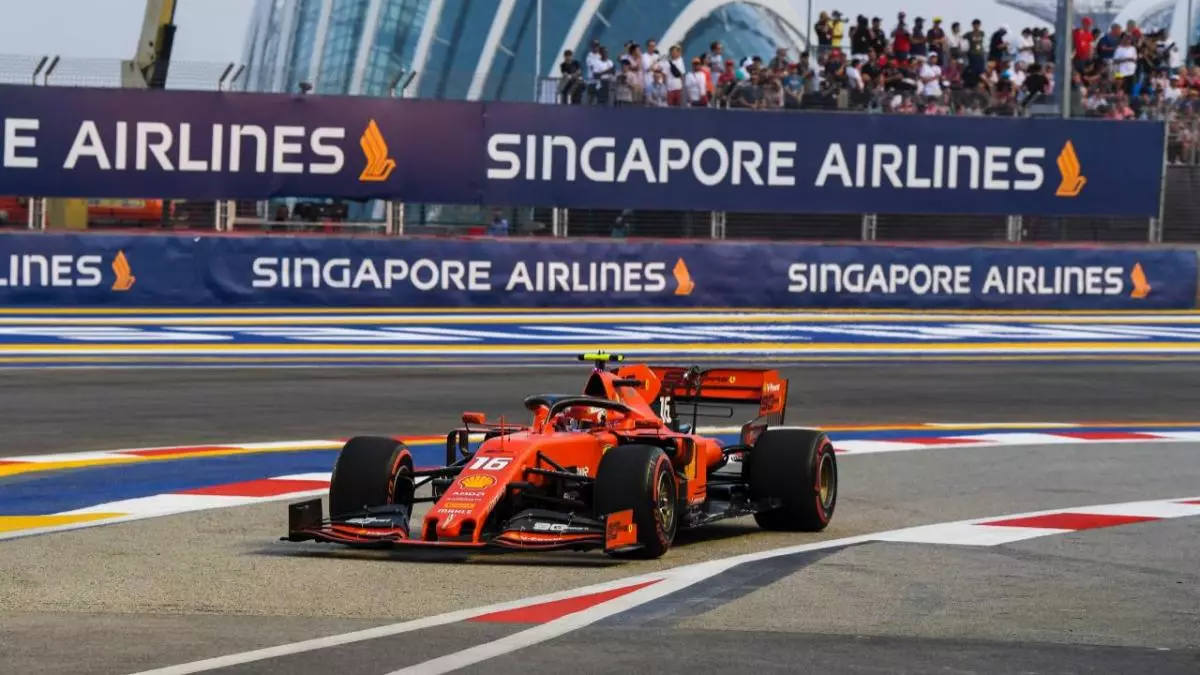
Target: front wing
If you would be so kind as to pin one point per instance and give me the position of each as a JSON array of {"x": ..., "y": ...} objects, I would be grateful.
[{"x": 531, "y": 530}]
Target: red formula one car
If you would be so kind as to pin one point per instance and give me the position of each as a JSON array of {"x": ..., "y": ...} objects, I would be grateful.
[{"x": 612, "y": 468}]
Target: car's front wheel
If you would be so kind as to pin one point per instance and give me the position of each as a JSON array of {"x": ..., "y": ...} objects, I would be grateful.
[
  {"x": 640, "y": 478},
  {"x": 370, "y": 472}
]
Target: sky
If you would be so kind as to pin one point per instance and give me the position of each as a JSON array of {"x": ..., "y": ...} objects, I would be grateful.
[{"x": 210, "y": 31}]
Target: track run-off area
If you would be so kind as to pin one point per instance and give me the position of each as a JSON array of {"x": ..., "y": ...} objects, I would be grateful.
[{"x": 1034, "y": 509}]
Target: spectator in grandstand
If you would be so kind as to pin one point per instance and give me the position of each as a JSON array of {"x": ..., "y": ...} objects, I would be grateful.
[
  {"x": 852, "y": 77},
  {"x": 603, "y": 72},
  {"x": 1036, "y": 85},
  {"x": 793, "y": 87},
  {"x": 1124, "y": 73},
  {"x": 747, "y": 94},
  {"x": 930, "y": 75},
  {"x": 860, "y": 38},
  {"x": 651, "y": 62},
  {"x": 937, "y": 39},
  {"x": 1026, "y": 47},
  {"x": 623, "y": 85},
  {"x": 823, "y": 30},
  {"x": 1106, "y": 47},
  {"x": 591, "y": 63},
  {"x": 920, "y": 45},
  {"x": 675, "y": 71},
  {"x": 878, "y": 36},
  {"x": 839, "y": 31},
  {"x": 976, "y": 46},
  {"x": 634, "y": 77},
  {"x": 716, "y": 54},
  {"x": 499, "y": 225},
  {"x": 780, "y": 63},
  {"x": 695, "y": 85},
  {"x": 1125, "y": 64},
  {"x": 901, "y": 40},
  {"x": 725, "y": 84},
  {"x": 571, "y": 86},
  {"x": 955, "y": 43},
  {"x": 998, "y": 46},
  {"x": 656, "y": 94}
]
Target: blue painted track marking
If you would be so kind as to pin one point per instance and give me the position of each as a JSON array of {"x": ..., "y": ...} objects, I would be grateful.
[{"x": 156, "y": 337}]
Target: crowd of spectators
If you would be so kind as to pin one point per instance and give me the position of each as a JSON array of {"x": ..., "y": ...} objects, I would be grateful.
[{"x": 922, "y": 67}]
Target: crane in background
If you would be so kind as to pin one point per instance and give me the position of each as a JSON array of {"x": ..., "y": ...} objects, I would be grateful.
[
  {"x": 146, "y": 70},
  {"x": 152, "y": 60}
]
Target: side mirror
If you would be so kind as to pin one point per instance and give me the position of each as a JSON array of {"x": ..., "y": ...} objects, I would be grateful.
[{"x": 476, "y": 418}]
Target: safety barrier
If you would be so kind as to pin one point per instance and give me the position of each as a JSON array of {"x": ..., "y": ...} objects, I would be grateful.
[
  {"x": 110, "y": 270},
  {"x": 97, "y": 143}
]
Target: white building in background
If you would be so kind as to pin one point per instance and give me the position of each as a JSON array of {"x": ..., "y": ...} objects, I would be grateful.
[
  {"x": 485, "y": 49},
  {"x": 489, "y": 49}
]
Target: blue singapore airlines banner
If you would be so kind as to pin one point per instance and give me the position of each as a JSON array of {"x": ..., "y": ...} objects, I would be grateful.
[
  {"x": 201, "y": 145},
  {"x": 63, "y": 270}
]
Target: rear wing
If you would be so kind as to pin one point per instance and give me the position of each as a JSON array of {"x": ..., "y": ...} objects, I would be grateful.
[{"x": 727, "y": 385}]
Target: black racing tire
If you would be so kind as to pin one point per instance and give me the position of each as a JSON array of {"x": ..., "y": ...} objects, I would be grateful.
[
  {"x": 369, "y": 472},
  {"x": 798, "y": 468},
  {"x": 641, "y": 478}
]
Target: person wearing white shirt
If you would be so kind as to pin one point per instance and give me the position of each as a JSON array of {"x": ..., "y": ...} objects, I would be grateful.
[
  {"x": 854, "y": 72},
  {"x": 954, "y": 42},
  {"x": 675, "y": 71},
  {"x": 593, "y": 59},
  {"x": 1017, "y": 75},
  {"x": 931, "y": 78},
  {"x": 1170, "y": 92},
  {"x": 1025, "y": 47},
  {"x": 651, "y": 62},
  {"x": 695, "y": 86},
  {"x": 605, "y": 72},
  {"x": 1125, "y": 60}
]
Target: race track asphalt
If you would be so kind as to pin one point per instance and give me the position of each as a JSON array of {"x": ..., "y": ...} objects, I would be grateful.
[
  {"x": 61, "y": 410},
  {"x": 134, "y": 596}
]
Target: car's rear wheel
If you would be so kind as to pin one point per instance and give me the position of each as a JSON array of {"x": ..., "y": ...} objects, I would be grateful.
[
  {"x": 640, "y": 478},
  {"x": 796, "y": 470},
  {"x": 370, "y": 471}
]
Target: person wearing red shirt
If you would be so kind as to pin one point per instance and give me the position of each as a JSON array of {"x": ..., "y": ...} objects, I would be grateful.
[
  {"x": 901, "y": 41},
  {"x": 1082, "y": 39}
]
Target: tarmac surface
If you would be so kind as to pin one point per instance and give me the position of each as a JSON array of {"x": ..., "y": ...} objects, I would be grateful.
[
  {"x": 149, "y": 594},
  {"x": 63, "y": 410}
]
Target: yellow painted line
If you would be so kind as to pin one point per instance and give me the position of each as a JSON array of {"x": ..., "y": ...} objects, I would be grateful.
[
  {"x": 18, "y": 467},
  {"x": 16, "y": 523},
  {"x": 547, "y": 349}
]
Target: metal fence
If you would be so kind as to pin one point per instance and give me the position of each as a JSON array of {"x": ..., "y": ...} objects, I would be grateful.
[{"x": 1179, "y": 220}]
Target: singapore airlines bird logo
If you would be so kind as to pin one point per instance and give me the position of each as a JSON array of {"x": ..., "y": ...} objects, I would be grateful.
[
  {"x": 1073, "y": 179},
  {"x": 122, "y": 272},
  {"x": 379, "y": 165}
]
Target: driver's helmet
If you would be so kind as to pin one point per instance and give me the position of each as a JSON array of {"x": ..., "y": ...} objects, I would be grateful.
[{"x": 579, "y": 418}]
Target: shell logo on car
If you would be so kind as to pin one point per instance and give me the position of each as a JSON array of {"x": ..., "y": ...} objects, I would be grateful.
[{"x": 477, "y": 482}]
